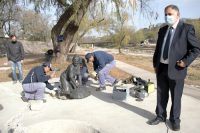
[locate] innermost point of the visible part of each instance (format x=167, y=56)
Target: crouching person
x=103, y=63
x=36, y=81
x=84, y=71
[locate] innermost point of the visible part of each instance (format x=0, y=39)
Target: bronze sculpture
x=71, y=82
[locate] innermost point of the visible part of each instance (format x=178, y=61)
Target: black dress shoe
x=156, y=121
x=175, y=127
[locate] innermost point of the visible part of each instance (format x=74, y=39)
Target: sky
x=188, y=9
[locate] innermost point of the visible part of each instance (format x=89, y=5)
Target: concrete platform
x=98, y=111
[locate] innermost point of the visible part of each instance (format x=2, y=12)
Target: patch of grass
x=138, y=61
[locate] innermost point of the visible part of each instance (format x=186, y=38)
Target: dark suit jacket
x=185, y=46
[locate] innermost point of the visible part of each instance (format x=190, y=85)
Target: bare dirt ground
x=140, y=57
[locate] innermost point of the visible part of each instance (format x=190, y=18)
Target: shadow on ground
x=107, y=97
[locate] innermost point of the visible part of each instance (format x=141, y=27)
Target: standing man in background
x=84, y=71
x=15, y=55
x=177, y=47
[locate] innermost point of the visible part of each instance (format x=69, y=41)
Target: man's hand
x=181, y=63
x=53, y=74
x=22, y=61
x=96, y=77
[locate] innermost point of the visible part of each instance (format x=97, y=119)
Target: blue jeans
x=19, y=66
x=104, y=74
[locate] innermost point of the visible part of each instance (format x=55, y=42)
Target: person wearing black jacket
x=15, y=55
x=84, y=71
x=177, y=47
x=36, y=81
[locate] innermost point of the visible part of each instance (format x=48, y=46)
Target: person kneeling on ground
x=84, y=71
x=36, y=81
x=102, y=63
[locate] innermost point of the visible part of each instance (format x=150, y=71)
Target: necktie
x=167, y=43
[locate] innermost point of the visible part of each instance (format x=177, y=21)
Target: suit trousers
x=164, y=85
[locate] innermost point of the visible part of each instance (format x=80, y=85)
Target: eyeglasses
x=168, y=14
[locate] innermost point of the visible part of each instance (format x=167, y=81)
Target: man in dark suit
x=177, y=47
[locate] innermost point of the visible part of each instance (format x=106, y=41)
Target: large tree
x=8, y=15
x=71, y=13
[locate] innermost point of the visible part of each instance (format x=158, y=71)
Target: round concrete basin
x=62, y=126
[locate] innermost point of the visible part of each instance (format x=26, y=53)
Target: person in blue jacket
x=84, y=71
x=102, y=64
x=36, y=81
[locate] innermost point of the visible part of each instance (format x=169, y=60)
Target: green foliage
x=138, y=37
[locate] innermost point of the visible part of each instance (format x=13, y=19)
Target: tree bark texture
x=68, y=24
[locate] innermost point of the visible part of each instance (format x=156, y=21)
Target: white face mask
x=170, y=20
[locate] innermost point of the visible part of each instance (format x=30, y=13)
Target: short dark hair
x=174, y=7
x=11, y=36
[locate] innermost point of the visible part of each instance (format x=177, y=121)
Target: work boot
x=1, y=107
x=101, y=88
x=24, y=99
x=115, y=82
x=15, y=81
x=44, y=100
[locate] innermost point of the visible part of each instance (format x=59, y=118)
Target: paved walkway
x=188, y=90
x=98, y=111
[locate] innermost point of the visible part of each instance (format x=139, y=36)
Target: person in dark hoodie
x=84, y=71
x=36, y=81
x=102, y=63
x=15, y=55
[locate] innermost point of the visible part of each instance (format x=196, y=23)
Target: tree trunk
x=1, y=30
x=119, y=50
x=62, y=56
x=120, y=44
x=72, y=17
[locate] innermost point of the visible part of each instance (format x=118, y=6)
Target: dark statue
x=71, y=82
x=1, y=108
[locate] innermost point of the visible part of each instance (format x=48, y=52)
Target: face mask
x=170, y=20
x=14, y=41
